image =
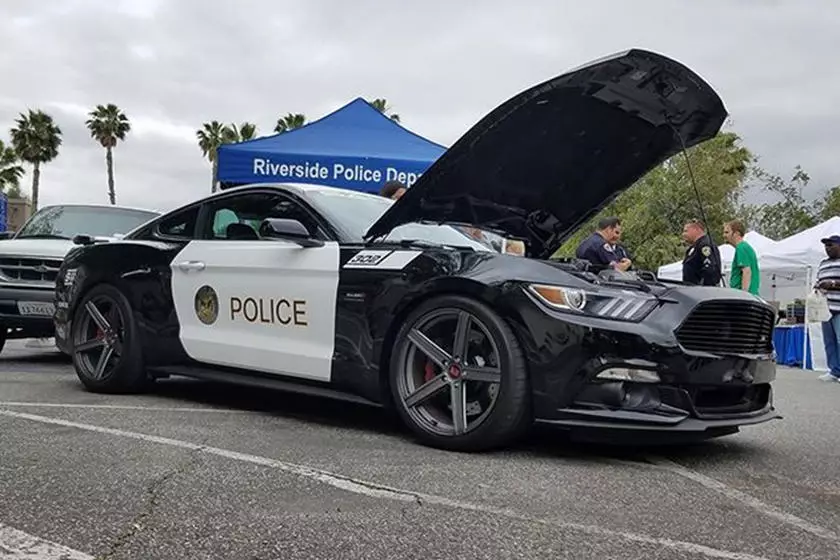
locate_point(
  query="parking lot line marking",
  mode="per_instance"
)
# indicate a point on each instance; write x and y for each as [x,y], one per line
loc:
[125,407]
[374,490]
[17,545]
[746,499]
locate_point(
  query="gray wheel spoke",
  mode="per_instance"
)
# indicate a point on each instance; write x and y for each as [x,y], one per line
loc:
[426,391]
[434,352]
[97,317]
[459,347]
[485,374]
[91,344]
[459,407]
[104,358]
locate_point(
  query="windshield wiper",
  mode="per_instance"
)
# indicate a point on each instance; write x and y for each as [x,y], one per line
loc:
[43,236]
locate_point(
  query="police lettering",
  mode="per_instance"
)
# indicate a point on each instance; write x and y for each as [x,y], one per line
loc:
[270,311]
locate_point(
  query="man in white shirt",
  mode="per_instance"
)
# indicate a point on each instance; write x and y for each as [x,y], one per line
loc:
[828,282]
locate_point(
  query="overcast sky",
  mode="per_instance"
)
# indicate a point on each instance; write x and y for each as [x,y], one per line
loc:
[173,64]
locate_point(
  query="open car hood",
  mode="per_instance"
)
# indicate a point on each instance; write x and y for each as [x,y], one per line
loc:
[541,164]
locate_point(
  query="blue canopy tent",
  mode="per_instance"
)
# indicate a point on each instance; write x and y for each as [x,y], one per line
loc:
[355,147]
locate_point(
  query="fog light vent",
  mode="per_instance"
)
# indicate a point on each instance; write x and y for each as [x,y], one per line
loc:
[628,374]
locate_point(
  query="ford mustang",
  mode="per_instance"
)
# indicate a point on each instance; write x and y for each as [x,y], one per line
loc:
[338,293]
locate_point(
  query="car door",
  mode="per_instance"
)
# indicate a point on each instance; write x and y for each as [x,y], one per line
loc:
[266,305]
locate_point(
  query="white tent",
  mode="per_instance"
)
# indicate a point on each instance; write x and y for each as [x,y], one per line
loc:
[801,250]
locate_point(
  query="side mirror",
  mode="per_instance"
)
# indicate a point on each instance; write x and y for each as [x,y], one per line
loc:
[288,230]
[83,239]
[6,234]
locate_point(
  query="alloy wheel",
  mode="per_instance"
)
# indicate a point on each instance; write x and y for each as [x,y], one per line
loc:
[98,344]
[450,372]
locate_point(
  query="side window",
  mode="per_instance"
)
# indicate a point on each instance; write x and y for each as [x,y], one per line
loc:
[181,225]
[239,217]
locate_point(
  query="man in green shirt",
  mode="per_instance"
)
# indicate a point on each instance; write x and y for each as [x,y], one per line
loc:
[744,275]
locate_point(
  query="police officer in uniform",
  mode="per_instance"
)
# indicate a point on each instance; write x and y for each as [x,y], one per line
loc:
[600,247]
[701,264]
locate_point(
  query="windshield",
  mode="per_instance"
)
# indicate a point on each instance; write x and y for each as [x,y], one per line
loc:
[65,222]
[356,212]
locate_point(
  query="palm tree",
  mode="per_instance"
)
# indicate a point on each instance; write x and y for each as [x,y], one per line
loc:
[244,132]
[382,106]
[11,171]
[108,125]
[36,139]
[210,137]
[290,122]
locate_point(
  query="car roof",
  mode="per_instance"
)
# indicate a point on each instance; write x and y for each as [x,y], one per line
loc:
[97,205]
[297,188]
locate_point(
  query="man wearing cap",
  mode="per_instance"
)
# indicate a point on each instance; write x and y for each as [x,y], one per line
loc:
[828,282]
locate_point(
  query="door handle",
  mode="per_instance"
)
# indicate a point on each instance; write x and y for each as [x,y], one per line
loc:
[186,266]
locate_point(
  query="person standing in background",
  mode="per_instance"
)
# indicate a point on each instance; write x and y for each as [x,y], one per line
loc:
[828,282]
[745,273]
[393,190]
[701,264]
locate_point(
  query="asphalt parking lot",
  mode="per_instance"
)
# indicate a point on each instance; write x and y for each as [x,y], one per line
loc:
[205,471]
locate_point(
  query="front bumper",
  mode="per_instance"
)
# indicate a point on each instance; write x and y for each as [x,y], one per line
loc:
[693,398]
[27,312]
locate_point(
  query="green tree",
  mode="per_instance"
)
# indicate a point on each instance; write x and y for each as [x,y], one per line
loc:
[382,106]
[829,205]
[108,125]
[210,136]
[290,122]
[36,140]
[11,172]
[790,215]
[213,134]
[242,133]
[654,210]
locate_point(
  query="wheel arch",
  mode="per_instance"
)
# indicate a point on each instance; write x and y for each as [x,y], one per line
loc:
[487,294]
[138,270]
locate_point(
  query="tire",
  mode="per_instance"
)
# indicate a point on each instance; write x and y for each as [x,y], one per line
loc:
[495,425]
[4,335]
[124,370]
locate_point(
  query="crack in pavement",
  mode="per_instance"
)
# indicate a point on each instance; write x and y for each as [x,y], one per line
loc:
[151,502]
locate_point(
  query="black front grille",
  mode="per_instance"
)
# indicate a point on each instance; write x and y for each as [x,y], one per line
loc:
[728,327]
[26,269]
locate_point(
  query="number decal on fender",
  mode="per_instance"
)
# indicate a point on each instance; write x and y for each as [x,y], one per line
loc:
[367,259]
[382,259]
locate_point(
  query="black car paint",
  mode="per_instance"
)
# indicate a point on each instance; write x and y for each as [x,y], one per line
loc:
[580,139]
[563,351]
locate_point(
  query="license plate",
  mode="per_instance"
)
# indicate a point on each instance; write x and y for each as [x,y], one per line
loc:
[36,308]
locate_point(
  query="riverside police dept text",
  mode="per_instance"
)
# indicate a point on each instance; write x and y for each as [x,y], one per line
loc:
[308,170]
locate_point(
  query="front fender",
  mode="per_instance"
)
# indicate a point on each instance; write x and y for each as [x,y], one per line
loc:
[141,271]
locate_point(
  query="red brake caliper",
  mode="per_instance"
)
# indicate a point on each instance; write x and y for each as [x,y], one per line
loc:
[429,371]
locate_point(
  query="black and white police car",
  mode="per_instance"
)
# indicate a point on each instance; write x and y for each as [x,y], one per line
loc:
[332,292]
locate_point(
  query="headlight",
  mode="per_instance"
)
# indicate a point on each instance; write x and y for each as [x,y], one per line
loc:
[621,305]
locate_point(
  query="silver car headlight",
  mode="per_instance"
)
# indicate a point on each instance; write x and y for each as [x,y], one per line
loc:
[619,305]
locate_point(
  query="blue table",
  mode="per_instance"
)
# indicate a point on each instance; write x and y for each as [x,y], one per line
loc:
[788,341]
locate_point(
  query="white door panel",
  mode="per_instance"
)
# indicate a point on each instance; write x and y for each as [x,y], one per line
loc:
[275,305]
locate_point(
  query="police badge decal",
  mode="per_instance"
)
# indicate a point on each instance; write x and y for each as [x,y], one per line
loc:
[206,305]
[706,250]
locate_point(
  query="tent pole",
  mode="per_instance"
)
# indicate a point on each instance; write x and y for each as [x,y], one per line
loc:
[805,320]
